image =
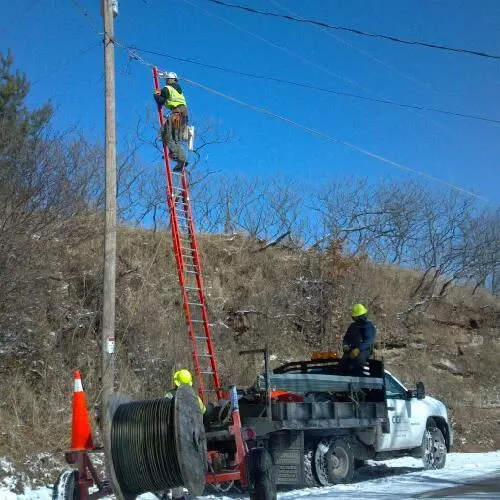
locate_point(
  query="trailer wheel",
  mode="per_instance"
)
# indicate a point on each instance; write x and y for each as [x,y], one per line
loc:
[261,478]
[66,486]
[434,449]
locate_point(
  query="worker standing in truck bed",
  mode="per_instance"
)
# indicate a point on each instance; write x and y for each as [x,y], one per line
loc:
[358,342]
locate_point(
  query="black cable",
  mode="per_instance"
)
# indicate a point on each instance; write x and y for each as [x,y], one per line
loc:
[357,31]
[143,445]
[313,87]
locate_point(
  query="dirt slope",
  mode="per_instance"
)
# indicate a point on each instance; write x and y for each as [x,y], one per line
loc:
[295,301]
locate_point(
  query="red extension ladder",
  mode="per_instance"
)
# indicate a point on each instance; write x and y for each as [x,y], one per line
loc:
[189,271]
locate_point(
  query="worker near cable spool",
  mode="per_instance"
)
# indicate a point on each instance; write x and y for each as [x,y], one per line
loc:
[182,377]
[172,131]
[358,342]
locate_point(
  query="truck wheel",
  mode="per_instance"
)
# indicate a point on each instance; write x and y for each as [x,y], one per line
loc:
[334,461]
[309,475]
[261,479]
[358,463]
[434,449]
[66,486]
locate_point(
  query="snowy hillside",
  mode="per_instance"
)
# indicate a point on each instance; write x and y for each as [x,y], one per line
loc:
[392,479]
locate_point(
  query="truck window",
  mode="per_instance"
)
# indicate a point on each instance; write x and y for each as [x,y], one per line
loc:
[393,389]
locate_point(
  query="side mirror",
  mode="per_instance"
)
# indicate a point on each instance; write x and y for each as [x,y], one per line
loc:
[420,390]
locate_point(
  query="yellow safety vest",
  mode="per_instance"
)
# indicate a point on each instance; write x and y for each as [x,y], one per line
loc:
[175,98]
[170,395]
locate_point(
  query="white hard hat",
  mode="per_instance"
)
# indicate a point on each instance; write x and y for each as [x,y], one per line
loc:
[171,74]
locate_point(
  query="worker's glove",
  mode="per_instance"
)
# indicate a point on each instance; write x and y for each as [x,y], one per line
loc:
[160,100]
[345,347]
[355,353]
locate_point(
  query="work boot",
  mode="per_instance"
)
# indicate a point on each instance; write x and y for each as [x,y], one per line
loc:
[181,164]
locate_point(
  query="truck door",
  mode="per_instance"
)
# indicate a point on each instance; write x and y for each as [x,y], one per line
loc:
[399,412]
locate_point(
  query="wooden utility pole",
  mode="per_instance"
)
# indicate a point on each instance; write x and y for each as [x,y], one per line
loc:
[108,309]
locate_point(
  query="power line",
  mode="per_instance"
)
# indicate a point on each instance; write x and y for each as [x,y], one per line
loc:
[357,31]
[364,52]
[336,140]
[309,61]
[313,87]
[66,63]
[292,53]
[84,13]
[133,55]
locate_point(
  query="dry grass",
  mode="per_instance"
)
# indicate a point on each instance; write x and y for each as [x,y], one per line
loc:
[295,302]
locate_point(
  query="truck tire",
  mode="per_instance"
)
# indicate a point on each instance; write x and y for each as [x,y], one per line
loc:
[334,462]
[66,486]
[310,479]
[261,478]
[358,463]
[433,449]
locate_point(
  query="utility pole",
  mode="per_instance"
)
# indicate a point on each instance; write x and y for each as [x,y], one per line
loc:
[109,8]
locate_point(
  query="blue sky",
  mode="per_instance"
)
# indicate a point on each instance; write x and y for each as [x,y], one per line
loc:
[45,34]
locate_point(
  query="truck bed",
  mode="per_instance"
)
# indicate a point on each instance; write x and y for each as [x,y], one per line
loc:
[310,382]
[330,400]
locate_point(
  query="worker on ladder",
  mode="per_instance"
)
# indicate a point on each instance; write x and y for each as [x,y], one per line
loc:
[173,129]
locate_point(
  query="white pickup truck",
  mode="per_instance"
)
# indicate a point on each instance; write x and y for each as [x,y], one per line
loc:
[419,426]
[317,426]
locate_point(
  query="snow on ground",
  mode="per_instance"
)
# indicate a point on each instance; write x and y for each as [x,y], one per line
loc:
[393,479]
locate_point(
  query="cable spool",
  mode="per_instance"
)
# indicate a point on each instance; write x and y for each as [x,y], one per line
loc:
[159,444]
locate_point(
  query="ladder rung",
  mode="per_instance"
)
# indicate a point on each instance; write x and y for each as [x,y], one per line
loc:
[189,249]
[195,304]
[197,321]
[207,373]
[198,337]
[190,272]
[205,355]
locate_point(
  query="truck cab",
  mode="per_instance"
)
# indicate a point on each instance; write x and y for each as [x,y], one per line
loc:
[415,419]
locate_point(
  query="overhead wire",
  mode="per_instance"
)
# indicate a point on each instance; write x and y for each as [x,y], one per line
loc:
[335,140]
[66,63]
[281,48]
[356,31]
[84,13]
[22,17]
[363,52]
[309,86]
[132,52]
[133,55]
[318,66]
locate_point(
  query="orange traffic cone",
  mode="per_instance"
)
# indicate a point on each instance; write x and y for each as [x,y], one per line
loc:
[81,433]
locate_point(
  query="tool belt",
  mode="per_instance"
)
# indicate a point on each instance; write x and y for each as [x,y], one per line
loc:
[179,117]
